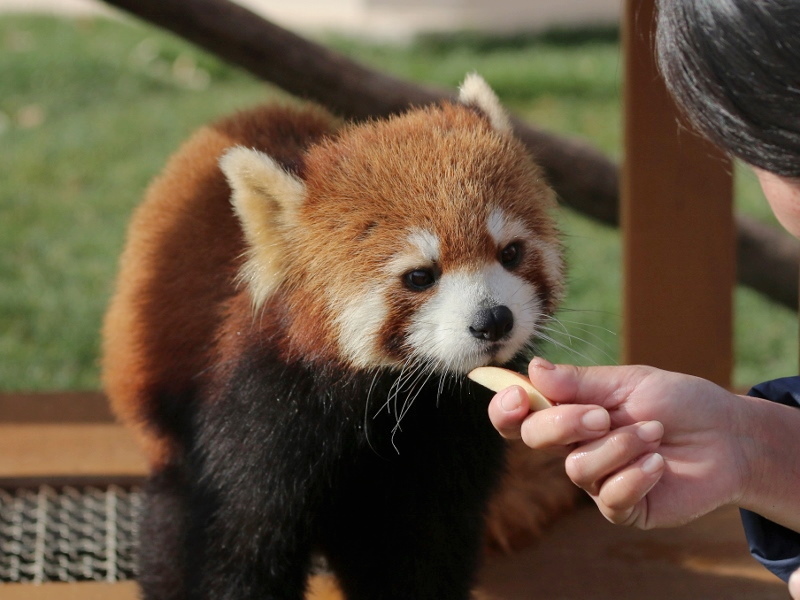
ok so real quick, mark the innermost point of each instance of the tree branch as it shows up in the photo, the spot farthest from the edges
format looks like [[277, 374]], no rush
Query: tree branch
[[310, 71], [583, 177]]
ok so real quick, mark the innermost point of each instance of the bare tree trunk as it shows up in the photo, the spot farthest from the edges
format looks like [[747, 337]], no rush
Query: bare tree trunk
[[583, 177]]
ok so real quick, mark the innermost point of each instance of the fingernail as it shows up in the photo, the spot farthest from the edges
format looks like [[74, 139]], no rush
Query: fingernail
[[510, 399], [596, 419], [650, 431], [652, 464], [542, 363]]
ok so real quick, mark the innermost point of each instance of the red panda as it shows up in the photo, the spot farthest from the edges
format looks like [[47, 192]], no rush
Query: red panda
[[298, 302]]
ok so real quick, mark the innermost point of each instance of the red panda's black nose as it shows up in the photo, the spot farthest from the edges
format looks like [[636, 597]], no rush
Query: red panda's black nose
[[492, 324]]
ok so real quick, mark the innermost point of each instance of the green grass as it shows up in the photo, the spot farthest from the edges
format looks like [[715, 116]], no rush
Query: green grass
[[90, 110]]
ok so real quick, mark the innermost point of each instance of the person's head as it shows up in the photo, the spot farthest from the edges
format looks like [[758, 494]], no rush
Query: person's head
[[734, 68]]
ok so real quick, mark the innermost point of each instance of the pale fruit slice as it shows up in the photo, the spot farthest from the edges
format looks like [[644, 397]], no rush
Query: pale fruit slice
[[497, 379]]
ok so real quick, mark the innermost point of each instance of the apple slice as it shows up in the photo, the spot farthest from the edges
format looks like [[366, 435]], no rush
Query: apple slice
[[497, 379]]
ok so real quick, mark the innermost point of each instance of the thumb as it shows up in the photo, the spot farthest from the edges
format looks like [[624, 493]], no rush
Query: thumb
[[568, 384]]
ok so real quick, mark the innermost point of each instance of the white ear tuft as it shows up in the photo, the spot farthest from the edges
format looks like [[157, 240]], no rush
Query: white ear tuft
[[265, 199], [253, 171], [477, 93]]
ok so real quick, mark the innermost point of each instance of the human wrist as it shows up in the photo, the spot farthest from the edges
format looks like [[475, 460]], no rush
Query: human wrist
[[768, 435]]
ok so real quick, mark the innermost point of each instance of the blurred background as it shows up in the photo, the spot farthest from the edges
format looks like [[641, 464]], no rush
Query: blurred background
[[93, 102]]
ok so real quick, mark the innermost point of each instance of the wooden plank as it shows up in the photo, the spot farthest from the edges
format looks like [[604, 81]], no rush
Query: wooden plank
[[58, 436], [69, 591], [79, 450], [678, 230], [584, 556], [320, 588], [50, 407]]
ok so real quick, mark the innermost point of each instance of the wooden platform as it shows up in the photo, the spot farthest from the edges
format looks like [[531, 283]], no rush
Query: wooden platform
[[72, 437], [69, 591], [68, 436], [584, 557]]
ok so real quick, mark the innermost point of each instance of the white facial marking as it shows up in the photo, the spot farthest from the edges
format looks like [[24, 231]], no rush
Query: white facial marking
[[359, 320], [504, 229], [440, 330], [423, 250], [426, 242]]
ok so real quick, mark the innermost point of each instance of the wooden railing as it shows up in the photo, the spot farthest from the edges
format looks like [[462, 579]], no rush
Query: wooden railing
[[677, 225]]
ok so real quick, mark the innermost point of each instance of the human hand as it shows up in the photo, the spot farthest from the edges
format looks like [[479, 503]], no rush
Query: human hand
[[794, 585], [652, 448]]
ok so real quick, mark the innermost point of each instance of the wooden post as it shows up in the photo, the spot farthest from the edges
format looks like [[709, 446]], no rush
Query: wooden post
[[678, 228]]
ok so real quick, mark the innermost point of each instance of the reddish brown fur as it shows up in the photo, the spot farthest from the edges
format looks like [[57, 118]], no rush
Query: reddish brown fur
[[459, 199], [183, 252], [177, 308], [415, 181], [185, 246]]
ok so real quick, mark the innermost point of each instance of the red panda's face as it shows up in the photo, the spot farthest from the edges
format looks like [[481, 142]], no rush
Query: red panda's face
[[419, 242], [429, 240], [448, 309]]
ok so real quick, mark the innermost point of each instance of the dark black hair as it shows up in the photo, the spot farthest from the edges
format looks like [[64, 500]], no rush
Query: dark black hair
[[734, 68]]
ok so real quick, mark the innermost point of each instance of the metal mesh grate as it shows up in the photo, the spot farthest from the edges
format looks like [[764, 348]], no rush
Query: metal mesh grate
[[68, 534]]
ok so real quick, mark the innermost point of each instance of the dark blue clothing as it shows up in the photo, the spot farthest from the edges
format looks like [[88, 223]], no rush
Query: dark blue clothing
[[774, 546]]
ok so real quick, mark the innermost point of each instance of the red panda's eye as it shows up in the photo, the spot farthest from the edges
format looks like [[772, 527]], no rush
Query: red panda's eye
[[511, 255], [419, 279]]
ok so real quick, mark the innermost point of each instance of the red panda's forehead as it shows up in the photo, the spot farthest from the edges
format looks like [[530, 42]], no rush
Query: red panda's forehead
[[415, 150], [440, 171]]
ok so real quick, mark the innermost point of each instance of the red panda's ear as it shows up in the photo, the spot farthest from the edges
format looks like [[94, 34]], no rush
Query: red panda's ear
[[475, 92], [265, 198]]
